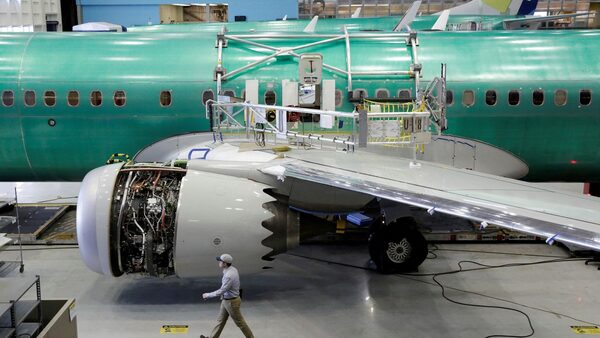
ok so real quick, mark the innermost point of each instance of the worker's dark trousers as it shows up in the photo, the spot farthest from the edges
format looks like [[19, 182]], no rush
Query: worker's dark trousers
[[231, 308]]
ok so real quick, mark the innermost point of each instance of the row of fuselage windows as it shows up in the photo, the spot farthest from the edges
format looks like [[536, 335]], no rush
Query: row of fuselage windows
[[119, 97], [514, 97], [73, 98]]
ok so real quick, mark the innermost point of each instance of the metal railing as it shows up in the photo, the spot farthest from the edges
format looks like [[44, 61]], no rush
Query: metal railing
[[278, 125]]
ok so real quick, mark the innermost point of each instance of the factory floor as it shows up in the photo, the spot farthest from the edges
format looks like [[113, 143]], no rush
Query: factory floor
[[315, 297]]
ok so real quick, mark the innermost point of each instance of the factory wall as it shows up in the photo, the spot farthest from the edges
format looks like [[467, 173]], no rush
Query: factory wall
[[125, 15], [141, 12]]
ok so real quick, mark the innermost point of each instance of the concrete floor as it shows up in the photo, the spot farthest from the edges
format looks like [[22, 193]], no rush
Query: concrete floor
[[310, 298], [304, 297]]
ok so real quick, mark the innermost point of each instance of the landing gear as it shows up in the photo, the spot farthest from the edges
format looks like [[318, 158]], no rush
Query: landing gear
[[397, 247]]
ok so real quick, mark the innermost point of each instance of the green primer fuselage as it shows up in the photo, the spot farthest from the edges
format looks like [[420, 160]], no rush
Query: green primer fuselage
[[546, 137]]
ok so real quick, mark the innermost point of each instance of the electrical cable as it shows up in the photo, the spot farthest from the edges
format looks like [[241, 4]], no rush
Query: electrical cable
[[486, 267], [461, 269], [432, 252], [502, 253], [482, 305]]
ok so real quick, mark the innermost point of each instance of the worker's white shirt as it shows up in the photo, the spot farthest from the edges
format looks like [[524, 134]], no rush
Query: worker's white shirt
[[230, 285]]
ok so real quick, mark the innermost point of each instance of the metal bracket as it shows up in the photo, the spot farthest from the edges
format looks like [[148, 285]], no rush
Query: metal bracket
[[412, 36], [219, 71], [414, 68], [221, 37]]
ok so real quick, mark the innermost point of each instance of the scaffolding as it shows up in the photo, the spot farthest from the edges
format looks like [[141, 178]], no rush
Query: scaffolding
[[30, 16]]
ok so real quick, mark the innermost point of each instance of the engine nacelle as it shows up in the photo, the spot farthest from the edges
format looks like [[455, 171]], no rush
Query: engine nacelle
[[165, 220]]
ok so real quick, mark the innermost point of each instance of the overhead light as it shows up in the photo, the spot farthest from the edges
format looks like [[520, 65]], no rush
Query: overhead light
[[182, 5], [197, 4]]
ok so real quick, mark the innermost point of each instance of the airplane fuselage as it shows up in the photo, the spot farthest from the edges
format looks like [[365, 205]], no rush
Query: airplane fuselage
[[78, 98]]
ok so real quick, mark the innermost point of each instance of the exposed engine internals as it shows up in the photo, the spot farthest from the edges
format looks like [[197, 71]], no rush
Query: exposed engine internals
[[143, 220]]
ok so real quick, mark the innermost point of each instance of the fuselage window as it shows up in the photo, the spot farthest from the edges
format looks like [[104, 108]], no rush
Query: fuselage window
[[73, 98], [538, 97], [360, 94], [404, 94], [29, 98], [585, 97], [270, 97], [207, 95], [96, 98], [490, 97], [449, 97], [338, 97], [382, 94], [49, 98], [513, 97], [468, 98], [229, 93], [165, 98], [560, 97], [8, 98], [119, 98]]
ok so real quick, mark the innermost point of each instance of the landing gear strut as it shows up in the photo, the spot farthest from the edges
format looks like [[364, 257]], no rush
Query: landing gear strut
[[397, 247]]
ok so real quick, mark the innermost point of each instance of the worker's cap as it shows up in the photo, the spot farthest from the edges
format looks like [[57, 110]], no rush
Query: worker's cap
[[225, 258]]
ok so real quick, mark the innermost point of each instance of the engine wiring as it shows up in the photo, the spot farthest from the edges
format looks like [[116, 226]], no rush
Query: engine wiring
[[146, 219], [480, 266]]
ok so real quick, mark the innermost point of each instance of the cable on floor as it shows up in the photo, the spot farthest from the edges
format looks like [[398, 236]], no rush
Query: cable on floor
[[502, 253], [435, 276], [461, 269], [431, 252]]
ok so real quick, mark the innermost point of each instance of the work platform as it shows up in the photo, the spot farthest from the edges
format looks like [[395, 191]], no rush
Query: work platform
[[40, 223]]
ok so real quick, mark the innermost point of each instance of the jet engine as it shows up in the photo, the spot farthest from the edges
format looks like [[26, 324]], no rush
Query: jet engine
[[166, 220]]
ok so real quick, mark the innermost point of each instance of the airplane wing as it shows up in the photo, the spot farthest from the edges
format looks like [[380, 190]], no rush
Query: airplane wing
[[488, 199], [534, 22]]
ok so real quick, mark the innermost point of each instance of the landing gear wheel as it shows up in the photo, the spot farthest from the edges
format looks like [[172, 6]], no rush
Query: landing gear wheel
[[397, 247]]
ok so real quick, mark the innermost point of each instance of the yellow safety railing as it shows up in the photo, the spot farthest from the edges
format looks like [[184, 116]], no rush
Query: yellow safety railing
[[381, 128]]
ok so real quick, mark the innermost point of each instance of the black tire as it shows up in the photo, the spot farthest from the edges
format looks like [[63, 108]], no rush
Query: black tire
[[397, 247]]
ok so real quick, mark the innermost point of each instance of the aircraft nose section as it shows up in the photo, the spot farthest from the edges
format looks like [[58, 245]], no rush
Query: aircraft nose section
[[93, 217]]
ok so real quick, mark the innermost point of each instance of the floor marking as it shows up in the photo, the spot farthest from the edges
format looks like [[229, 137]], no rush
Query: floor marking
[[174, 329], [586, 329]]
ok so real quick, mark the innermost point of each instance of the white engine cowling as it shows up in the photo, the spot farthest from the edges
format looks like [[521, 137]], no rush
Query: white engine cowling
[[163, 220]]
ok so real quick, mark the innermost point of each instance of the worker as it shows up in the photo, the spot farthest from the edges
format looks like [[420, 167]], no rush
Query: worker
[[230, 298]]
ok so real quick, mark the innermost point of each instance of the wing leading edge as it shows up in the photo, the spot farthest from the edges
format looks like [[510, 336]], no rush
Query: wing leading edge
[[506, 203]]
